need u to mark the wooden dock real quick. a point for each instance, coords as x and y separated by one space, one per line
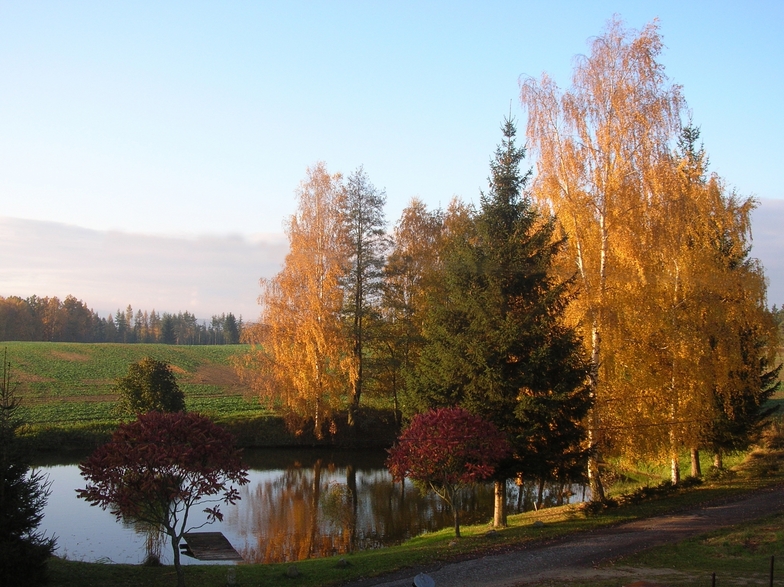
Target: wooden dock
209 546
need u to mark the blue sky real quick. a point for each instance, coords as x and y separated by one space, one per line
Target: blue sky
192 120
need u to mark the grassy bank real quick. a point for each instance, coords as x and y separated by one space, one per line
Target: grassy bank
762 469
738 555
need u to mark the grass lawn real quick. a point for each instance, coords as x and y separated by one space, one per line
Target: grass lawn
738 556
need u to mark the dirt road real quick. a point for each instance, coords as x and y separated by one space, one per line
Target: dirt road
577 555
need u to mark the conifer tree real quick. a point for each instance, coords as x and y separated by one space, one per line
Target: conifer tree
23 495
362 214
496 344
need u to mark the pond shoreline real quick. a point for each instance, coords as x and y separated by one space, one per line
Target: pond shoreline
377 429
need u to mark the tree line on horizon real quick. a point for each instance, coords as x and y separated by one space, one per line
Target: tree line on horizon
602 305
71 320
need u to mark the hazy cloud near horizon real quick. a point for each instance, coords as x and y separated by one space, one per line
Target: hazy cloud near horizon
768 245
209 274
109 270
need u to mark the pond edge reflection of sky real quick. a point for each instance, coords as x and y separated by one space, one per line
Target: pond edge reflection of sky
288 512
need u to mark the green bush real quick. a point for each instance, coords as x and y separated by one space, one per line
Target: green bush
149 385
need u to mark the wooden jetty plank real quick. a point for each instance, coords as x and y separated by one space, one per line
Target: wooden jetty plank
210 546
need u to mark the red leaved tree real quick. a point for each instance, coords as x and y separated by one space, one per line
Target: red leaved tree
154 469
445 450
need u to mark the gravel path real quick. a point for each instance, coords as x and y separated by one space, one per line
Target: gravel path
577 555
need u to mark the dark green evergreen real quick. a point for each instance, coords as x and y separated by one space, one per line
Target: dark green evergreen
23 495
496 342
740 407
149 385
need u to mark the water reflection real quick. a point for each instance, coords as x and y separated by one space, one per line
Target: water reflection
324 509
298 505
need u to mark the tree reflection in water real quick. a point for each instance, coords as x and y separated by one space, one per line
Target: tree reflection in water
325 504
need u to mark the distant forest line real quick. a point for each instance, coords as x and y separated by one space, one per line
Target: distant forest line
70 320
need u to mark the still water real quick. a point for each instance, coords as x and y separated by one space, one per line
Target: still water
298 505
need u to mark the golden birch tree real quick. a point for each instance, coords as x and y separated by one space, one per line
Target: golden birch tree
741 339
670 303
698 333
666 355
301 358
599 146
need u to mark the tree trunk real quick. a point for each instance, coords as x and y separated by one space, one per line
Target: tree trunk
675 469
317 416
696 470
358 330
597 490
499 504
675 465
540 494
455 505
175 542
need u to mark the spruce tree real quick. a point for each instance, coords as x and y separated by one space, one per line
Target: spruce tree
496 343
23 495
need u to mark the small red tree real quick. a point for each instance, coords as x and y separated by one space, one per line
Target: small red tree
445 450
157 467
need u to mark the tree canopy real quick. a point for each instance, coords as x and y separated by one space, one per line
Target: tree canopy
302 359
446 449
658 247
604 303
156 468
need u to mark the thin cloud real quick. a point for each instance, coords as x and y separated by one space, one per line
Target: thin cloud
108 270
768 245
209 274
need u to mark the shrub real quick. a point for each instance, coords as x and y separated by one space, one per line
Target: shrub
149 385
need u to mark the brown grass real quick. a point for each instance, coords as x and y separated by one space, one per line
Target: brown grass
221 375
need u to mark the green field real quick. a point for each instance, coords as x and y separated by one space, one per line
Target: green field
68 400
70 385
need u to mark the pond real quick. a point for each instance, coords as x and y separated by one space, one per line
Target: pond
298 505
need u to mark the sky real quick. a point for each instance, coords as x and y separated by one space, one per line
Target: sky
149 151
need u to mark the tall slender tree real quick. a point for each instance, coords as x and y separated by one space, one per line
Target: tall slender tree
600 145
301 357
362 213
